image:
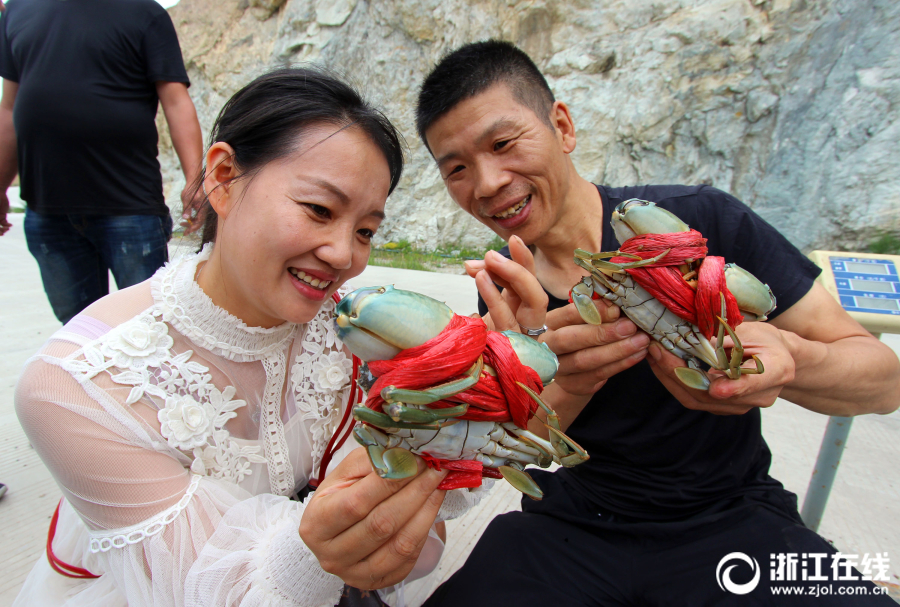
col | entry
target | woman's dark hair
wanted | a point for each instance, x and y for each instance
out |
(263, 120)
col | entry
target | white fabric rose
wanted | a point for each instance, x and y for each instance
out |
(186, 424)
(138, 344)
(332, 372)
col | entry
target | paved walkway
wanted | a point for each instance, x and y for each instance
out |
(861, 516)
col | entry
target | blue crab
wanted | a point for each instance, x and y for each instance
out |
(377, 323)
(682, 338)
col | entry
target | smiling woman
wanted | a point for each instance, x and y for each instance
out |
(178, 416)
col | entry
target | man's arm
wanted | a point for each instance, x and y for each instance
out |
(814, 354)
(840, 368)
(9, 163)
(184, 127)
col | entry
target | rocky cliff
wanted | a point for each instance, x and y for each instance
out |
(792, 105)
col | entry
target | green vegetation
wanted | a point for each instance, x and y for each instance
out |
(447, 258)
(887, 244)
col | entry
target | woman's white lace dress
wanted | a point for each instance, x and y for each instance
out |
(176, 434)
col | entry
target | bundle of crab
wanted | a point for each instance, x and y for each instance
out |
(444, 387)
(663, 280)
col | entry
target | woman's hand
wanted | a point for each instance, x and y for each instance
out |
(367, 530)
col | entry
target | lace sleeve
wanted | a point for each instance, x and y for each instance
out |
(459, 501)
(161, 534)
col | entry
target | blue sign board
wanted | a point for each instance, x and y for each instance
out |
(867, 285)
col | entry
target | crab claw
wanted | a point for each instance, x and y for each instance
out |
(692, 378)
(522, 481)
(582, 297)
(392, 464)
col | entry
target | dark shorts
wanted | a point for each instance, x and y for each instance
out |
(563, 551)
(75, 254)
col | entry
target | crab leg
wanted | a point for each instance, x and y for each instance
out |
(582, 297)
(566, 451)
(393, 394)
(395, 463)
(380, 420)
(595, 260)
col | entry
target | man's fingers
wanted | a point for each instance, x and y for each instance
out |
(578, 337)
(502, 317)
(568, 315)
(592, 358)
(726, 396)
(533, 308)
(588, 382)
(473, 266)
(522, 255)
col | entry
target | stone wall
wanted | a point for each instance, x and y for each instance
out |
(792, 105)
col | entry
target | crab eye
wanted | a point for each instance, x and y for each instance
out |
(634, 202)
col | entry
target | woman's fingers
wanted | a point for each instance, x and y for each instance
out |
(347, 495)
(392, 561)
(353, 517)
(383, 521)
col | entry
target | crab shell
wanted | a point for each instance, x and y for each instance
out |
(637, 217)
(377, 323)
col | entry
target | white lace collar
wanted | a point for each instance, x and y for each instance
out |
(192, 313)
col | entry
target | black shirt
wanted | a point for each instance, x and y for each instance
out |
(86, 107)
(651, 458)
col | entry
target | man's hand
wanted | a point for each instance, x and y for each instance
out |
(588, 354)
(187, 140)
(727, 396)
(193, 212)
(367, 530)
(4, 210)
(523, 302)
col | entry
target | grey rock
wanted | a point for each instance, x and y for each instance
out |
(790, 105)
(759, 104)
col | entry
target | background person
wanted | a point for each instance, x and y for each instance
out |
(677, 478)
(178, 415)
(81, 86)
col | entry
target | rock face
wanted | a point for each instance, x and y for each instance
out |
(791, 105)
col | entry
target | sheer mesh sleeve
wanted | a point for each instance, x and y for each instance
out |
(164, 535)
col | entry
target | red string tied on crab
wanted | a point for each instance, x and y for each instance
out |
(664, 281)
(447, 357)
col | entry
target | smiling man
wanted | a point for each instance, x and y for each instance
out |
(678, 479)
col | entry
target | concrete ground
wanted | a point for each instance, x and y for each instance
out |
(861, 516)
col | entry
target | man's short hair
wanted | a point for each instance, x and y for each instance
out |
(474, 68)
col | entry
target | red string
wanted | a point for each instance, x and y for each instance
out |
(355, 398)
(664, 281)
(59, 566)
(447, 357)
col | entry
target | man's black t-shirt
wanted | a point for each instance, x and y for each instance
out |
(86, 106)
(651, 458)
